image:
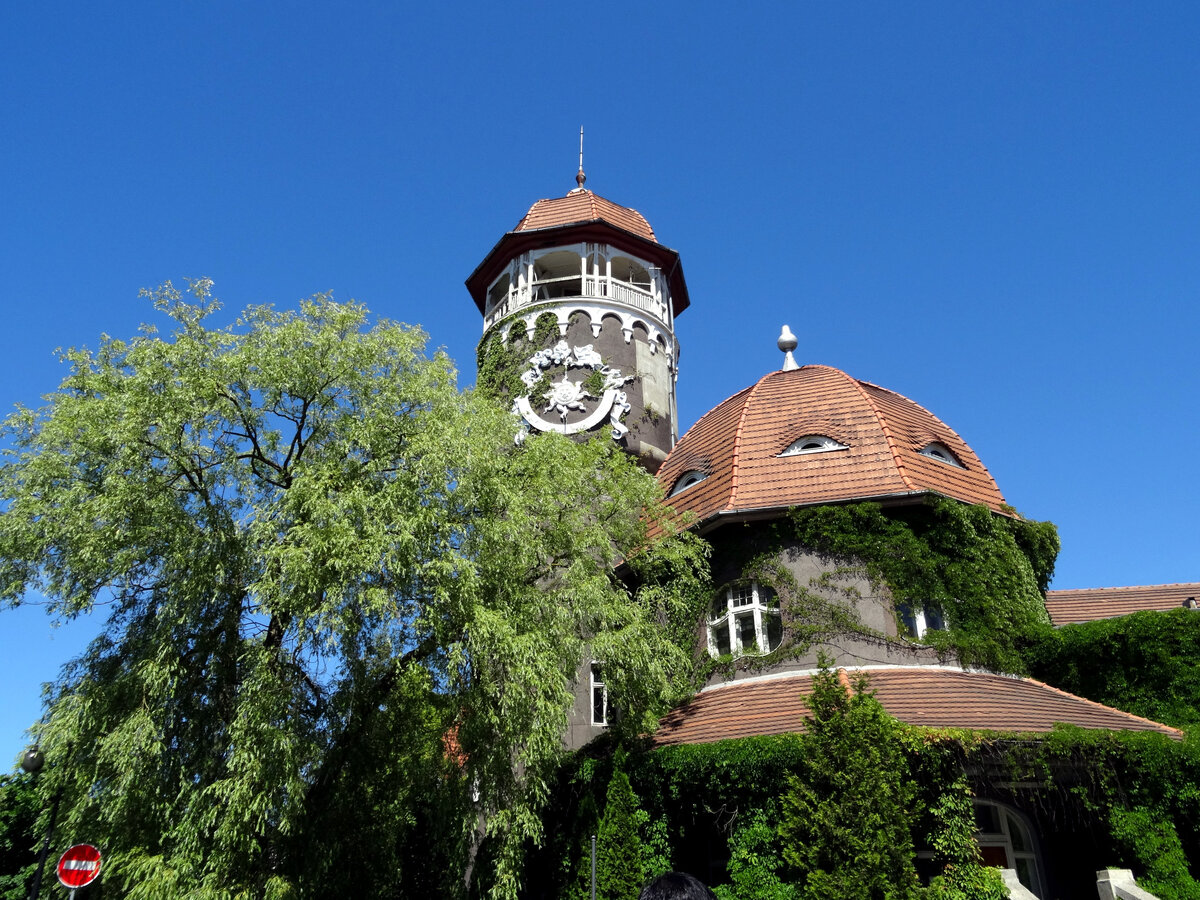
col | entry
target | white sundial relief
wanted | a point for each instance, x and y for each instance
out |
(569, 395)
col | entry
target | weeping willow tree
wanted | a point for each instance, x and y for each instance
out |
(345, 608)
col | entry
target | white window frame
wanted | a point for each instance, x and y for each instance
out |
(597, 683)
(686, 480)
(1030, 874)
(943, 454)
(824, 445)
(919, 619)
(761, 602)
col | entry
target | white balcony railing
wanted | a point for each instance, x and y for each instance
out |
(571, 286)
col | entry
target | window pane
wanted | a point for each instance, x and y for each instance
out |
(719, 608)
(1016, 833)
(768, 598)
(720, 633)
(1024, 869)
(599, 703)
(987, 819)
(934, 620)
(774, 627)
(747, 636)
(742, 596)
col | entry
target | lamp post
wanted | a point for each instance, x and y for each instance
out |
(32, 761)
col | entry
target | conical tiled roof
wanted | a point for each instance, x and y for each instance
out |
(737, 447)
(582, 206)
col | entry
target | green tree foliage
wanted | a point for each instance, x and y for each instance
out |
(619, 872)
(846, 823)
(956, 852)
(755, 865)
(342, 604)
(1146, 663)
(1150, 846)
(988, 572)
(19, 808)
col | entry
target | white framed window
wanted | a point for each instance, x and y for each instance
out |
(1005, 840)
(599, 696)
(744, 620)
(919, 618)
(942, 453)
(686, 480)
(812, 443)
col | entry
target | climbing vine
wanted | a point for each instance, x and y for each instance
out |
(1098, 798)
(1145, 663)
(504, 354)
(987, 572)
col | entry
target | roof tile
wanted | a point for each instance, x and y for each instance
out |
(935, 698)
(1070, 607)
(584, 206)
(741, 440)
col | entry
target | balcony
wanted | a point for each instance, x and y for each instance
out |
(571, 287)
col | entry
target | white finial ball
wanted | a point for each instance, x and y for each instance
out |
(787, 341)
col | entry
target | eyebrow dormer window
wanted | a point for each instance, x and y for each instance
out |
(941, 453)
(686, 480)
(812, 443)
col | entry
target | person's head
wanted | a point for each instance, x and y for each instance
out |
(676, 886)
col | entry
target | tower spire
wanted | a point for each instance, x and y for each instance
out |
(580, 178)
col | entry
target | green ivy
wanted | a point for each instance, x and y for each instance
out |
(1145, 663)
(502, 357)
(986, 571)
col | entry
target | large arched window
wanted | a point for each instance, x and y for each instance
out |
(1006, 841)
(744, 620)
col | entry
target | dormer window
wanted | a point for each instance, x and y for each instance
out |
(942, 453)
(744, 620)
(686, 480)
(813, 443)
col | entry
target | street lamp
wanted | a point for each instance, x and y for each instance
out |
(32, 761)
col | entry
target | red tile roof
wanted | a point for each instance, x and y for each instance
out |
(935, 698)
(584, 206)
(1089, 604)
(737, 444)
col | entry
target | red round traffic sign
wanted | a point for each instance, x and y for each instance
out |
(79, 866)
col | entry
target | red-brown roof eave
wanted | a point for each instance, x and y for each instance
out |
(517, 242)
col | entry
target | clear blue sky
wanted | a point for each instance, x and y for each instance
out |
(992, 209)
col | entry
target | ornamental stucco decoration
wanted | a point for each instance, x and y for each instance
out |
(569, 395)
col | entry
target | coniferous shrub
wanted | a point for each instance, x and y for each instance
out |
(846, 824)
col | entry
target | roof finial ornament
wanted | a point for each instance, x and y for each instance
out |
(787, 343)
(580, 178)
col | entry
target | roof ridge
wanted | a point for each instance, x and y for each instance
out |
(1127, 587)
(1095, 703)
(883, 424)
(943, 423)
(737, 441)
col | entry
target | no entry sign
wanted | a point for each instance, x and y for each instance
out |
(79, 866)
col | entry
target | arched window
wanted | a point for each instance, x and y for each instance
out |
(812, 443)
(942, 453)
(1006, 841)
(686, 480)
(744, 620)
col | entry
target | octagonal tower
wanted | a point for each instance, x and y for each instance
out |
(579, 303)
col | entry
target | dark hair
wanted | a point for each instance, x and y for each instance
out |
(676, 886)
